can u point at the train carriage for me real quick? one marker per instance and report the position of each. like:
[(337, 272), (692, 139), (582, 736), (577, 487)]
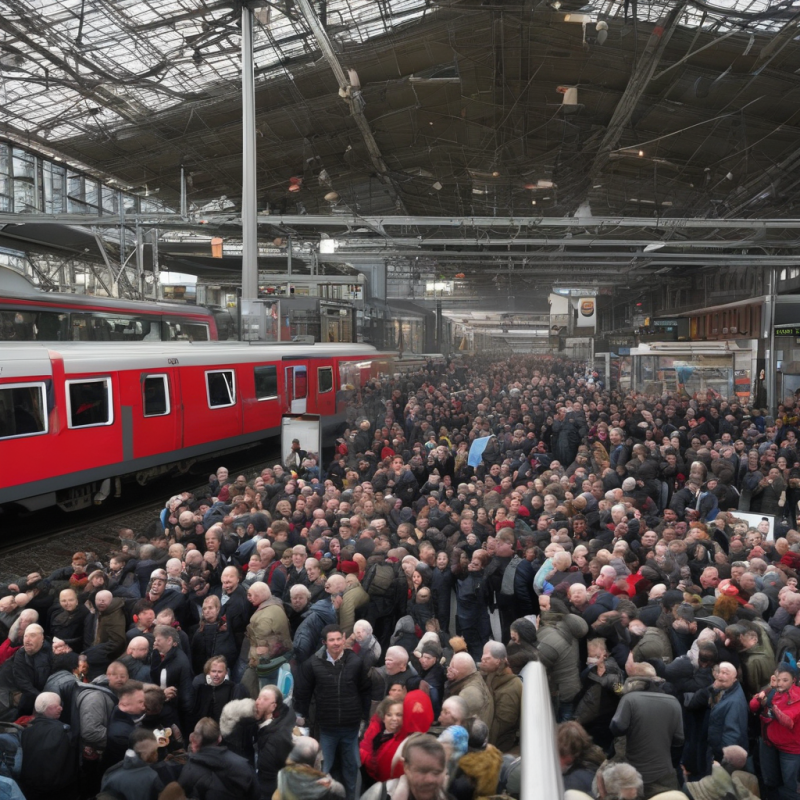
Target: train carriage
[(76, 416)]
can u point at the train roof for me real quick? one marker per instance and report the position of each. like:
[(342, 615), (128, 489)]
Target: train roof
[(25, 359), (16, 287)]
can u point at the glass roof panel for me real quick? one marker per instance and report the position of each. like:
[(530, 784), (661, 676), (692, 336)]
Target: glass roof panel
[(70, 67), (716, 15)]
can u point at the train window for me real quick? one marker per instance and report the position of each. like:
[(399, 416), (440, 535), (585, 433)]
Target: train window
[(89, 403), (173, 330), (98, 327), (155, 396), (266, 382), (221, 388), (33, 326), (22, 410), (300, 383), (324, 379)]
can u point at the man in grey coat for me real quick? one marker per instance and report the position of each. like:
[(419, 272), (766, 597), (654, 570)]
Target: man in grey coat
[(652, 723)]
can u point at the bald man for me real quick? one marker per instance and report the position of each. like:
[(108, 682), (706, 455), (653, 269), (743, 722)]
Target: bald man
[(235, 606), (395, 669), (464, 681), (137, 659)]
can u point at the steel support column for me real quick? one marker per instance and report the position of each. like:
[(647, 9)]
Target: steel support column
[(249, 227)]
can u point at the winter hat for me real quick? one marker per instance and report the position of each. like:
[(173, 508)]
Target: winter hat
[(629, 484), (431, 649), (714, 622), (685, 611), (458, 738)]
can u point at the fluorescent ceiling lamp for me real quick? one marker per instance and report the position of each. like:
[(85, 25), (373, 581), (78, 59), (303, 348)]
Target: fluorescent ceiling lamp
[(653, 246)]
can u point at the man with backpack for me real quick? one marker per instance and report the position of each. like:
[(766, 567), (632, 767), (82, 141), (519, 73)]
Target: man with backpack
[(48, 753), (92, 706)]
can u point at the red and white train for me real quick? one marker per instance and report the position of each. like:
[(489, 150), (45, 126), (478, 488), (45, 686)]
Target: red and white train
[(76, 415)]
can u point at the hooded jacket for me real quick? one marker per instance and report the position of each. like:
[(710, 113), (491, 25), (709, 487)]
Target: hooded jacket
[(557, 647), (215, 773), (379, 757)]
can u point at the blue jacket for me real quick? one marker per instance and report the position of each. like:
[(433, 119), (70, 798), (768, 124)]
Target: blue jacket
[(727, 721), (307, 639)]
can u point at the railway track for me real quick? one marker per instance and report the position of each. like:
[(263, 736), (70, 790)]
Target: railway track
[(40, 541)]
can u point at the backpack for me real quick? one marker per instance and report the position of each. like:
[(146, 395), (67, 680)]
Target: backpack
[(380, 581), (63, 683), (78, 693), (10, 750)]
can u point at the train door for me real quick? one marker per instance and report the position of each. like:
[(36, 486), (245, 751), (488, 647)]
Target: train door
[(325, 394), (151, 419), (297, 388)]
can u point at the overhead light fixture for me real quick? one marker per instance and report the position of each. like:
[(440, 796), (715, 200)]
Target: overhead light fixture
[(555, 4), (653, 246), (570, 95), (437, 186), (641, 154), (580, 18)]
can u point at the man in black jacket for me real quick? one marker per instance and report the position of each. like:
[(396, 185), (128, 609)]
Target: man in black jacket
[(32, 666), (49, 757), (340, 684), (273, 739), (213, 772), (170, 669)]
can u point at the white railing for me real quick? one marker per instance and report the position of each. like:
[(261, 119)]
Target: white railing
[(541, 768)]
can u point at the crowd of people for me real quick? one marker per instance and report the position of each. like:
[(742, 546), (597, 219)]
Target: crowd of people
[(361, 627)]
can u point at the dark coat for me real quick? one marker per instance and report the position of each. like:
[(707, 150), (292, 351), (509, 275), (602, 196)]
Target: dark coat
[(179, 675), (237, 611), (214, 773), (210, 700), (213, 639), (30, 675), (55, 760), (273, 745), (120, 727), (133, 780), (72, 627), (342, 690)]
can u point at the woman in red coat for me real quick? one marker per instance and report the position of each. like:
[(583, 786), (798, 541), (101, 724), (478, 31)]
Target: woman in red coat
[(393, 723), (779, 708)]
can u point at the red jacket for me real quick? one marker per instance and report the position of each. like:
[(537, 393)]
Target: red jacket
[(417, 718), (782, 729), (7, 650)]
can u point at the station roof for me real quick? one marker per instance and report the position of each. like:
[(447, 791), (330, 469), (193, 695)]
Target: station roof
[(681, 110)]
